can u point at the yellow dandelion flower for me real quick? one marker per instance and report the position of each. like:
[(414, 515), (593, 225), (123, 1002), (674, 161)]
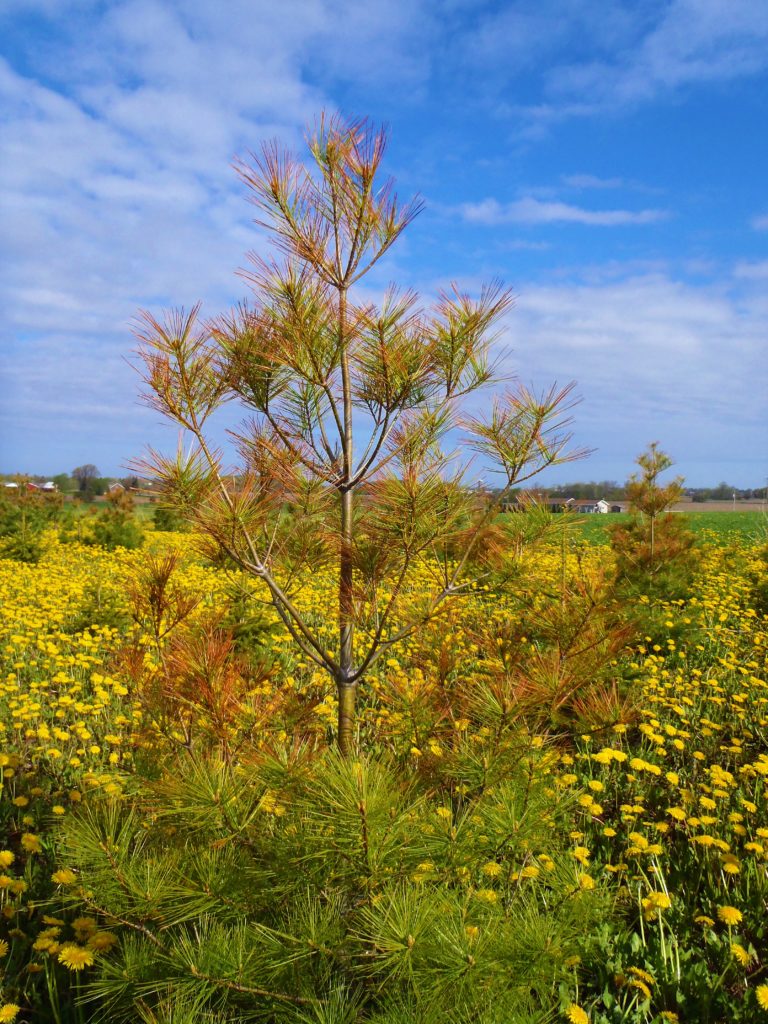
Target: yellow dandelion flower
[(63, 877), (604, 756), (730, 864), (487, 895), (31, 843), (85, 924), (3, 947), (643, 975), (762, 996), (677, 813), (6, 858), (639, 984), (739, 953), (9, 1012), (75, 957), (703, 840), (492, 869), (729, 915), (102, 941), (576, 1015)]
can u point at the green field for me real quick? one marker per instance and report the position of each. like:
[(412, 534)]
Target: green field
[(749, 526)]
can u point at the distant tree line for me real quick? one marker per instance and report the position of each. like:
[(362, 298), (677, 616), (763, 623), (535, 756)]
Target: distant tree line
[(86, 483), (613, 491), (593, 489), (83, 482), (725, 492)]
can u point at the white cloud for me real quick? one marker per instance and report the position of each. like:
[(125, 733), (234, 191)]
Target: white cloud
[(116, 192), (760, 223), (115, 184), (518, 37), (650, 52), (592, 181), (752, 271), (536, 211), (654, 358)]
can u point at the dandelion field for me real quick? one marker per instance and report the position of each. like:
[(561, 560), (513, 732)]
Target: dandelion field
[(589, 818)]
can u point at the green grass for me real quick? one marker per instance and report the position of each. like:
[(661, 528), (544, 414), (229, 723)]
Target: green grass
[(727, 525), (145, 511)]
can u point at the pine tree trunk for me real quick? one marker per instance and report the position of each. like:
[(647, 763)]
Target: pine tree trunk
[(347, 694), (346, 689)]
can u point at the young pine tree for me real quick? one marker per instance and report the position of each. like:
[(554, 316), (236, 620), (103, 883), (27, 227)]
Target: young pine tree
[(24, 515), (348, 404), (655, 549), (116, 525)]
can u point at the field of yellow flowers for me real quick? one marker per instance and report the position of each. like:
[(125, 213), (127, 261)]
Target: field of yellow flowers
[(668, 801)]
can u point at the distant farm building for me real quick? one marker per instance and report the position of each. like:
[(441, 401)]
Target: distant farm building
[(591, 507), (601, 507)]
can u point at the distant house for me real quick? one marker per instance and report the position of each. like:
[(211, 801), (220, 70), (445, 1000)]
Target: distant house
[(553, 504), (146, 488), (116, 488), (584, 507), (49, 486), (541, 501), (600, 507)]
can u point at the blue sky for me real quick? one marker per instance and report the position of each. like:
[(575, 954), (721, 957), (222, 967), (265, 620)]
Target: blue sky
[(607, 160)]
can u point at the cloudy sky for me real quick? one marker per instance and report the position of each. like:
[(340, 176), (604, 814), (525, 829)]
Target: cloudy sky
[(608, 159)]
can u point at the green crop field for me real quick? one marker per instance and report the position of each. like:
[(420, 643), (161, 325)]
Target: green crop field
[(749, 526)]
